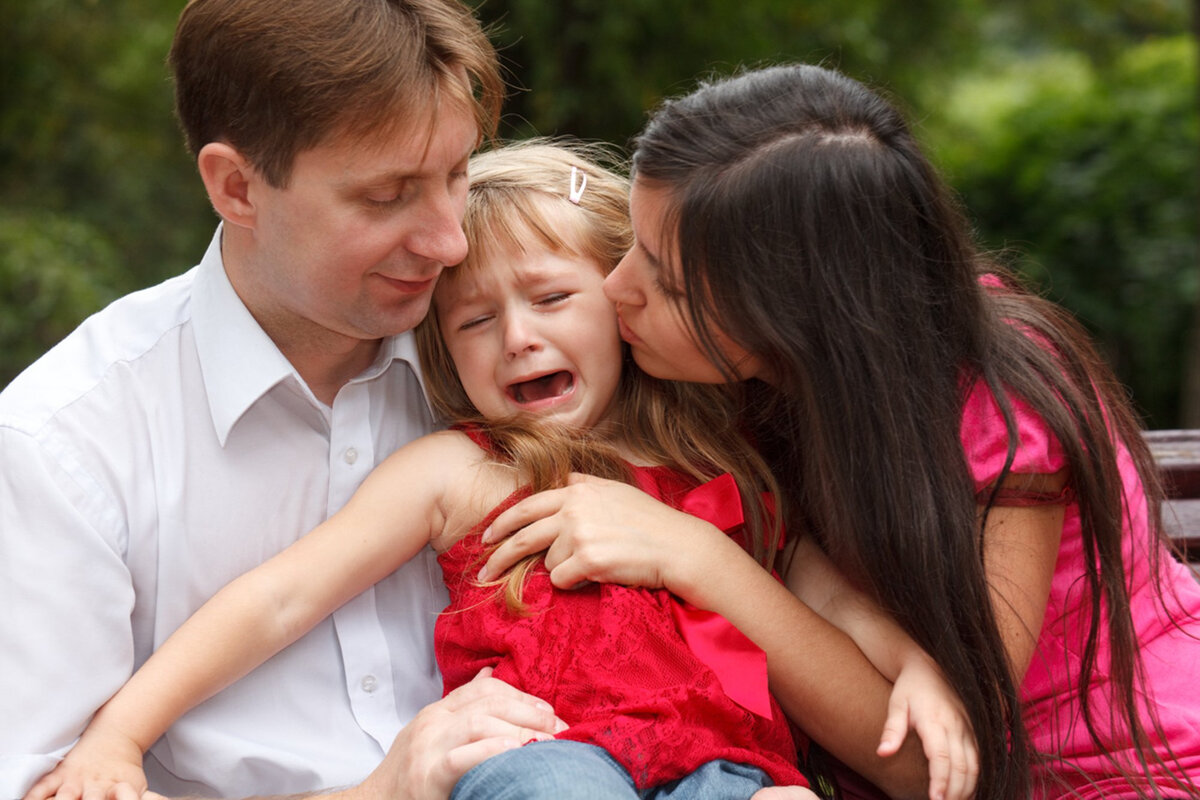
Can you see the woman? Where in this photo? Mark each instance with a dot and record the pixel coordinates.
(954, 444)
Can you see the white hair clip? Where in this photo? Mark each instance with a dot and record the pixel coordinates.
(576, 193)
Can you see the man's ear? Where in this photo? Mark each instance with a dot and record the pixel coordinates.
(228, 177)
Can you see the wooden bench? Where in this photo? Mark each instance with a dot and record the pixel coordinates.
(1177, 454)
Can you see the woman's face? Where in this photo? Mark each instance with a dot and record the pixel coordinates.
(653, 314)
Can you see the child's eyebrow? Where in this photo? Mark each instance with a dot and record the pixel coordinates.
(463, 293)
(538, 276)
(465, 298)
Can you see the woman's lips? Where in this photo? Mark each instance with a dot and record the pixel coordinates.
(626, 332)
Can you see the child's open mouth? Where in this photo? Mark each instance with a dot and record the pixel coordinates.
(554, 384)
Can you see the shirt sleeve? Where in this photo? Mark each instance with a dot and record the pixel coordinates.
(985, 443)
(65, 607)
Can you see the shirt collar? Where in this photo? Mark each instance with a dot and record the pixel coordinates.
(238, 360)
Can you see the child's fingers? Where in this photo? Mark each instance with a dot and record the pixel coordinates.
(955, 770)
(953, 762)
(956, 788)
(964, 769)
(950, 751)
(44, 787)
(937, 751)
(963, 784)
(69, 790)
(123, 791)
(895, 728)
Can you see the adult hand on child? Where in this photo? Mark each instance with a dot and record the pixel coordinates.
(924, 702)
(603, 531)
(447, 738)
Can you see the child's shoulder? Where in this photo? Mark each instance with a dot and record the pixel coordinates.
(433, 462)
(470, 481)
(454, 448)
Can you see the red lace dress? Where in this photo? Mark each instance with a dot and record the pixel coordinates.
(614, 661)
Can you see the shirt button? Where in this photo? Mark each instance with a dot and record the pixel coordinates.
(369, 684)
(350, 456)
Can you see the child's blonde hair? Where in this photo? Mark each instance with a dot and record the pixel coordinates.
(523, 196)
(518, 200)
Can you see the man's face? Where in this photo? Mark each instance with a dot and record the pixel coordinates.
(352, 247)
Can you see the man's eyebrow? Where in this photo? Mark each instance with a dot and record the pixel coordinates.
(379, 179)
(420, 169)
(376, 180)
(394, 177)
(470, 152)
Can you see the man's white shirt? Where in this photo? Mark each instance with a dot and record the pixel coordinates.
(161, 450)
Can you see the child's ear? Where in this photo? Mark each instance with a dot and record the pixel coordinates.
(228, 177)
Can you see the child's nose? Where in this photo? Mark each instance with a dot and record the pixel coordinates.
(520, 335)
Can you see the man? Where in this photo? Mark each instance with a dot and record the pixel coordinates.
(192, 430)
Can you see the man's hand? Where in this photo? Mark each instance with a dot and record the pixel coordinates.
(447, 738)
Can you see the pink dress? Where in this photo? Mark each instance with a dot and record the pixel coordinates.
(1167, 629)
(630, 670)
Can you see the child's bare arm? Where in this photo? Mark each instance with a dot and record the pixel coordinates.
(921, 698)
(395, 513)
(814, 579)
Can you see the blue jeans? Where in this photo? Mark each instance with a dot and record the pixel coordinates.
(563, 770)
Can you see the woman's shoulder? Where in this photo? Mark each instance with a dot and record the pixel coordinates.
(985, 436)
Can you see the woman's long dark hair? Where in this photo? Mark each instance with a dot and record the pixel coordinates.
(813, 231)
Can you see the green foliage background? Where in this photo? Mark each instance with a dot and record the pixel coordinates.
(1070, 129)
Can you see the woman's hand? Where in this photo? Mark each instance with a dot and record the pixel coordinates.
(100, 762)
(606, 532)
(924, 702)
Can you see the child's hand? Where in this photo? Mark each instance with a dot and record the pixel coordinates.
(100, 766)
(923, 701)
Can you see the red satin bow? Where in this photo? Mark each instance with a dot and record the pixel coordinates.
(740, 664)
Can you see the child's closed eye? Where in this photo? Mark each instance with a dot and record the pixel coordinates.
(475, 322)
(552, 299)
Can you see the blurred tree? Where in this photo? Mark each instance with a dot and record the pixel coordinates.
(592, 68)
(54, 271)
(87, 137)
(1189, 416)
(1089, 174)
(1099, 29)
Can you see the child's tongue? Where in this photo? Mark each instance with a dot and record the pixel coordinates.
(552, 385)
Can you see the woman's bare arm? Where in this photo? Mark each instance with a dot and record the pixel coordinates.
(605, 531)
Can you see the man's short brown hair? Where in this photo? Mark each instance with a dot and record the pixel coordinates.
(274, 78)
